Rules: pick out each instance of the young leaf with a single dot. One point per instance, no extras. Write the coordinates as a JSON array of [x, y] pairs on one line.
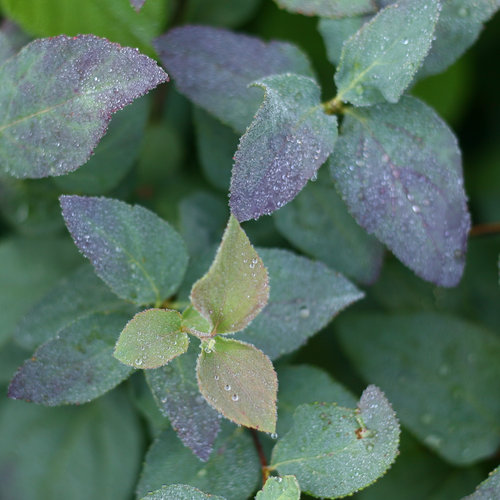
[[318, 223], [280, 488], [328, 8], [459, 360], [180, 492], [193, 322], [406, 188], [379, 61], [488, 489], [334, 451], [235, 288], [239, 381], [74, 367], [213, 67], [289, 139], [49, 126], [137, 4], [305, 296], [139, 256], [233, 470], [176, 392], [151, 339]]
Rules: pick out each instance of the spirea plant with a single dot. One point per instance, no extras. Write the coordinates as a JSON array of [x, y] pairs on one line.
[[188, 341]]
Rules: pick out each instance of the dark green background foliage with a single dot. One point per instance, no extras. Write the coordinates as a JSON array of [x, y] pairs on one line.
[[363, 136]]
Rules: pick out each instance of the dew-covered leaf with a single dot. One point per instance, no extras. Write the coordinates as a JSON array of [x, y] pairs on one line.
[[379, 61], [488, 489], [235, 288], [180, 492], [80, 453], [151, 339], [139, 256], [280, 488], [176, 392], [49, 126], [233, 470], [213, 67], [137, 4], [406, 188], [77, 295], [304, 296], [335, 451], [289, 139], [318, 223], [193, 322], [328, 8], [439, 372], [74, 367], [239, 381]]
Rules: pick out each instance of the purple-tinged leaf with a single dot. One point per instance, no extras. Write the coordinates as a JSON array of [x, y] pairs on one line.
[[329, 8], [74, 367], [289, 139], [176, 392], [398, 168], [139, 256], [213, 67], [50, 125], [137, 4]]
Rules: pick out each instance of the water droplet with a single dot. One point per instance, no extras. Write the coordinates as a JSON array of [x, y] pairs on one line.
[[234, 397], [463, 12], [227, 387], [304, 312], [416, 209], [280, 479], [216, 377], [274, 435], [405, 41], [138, 362]]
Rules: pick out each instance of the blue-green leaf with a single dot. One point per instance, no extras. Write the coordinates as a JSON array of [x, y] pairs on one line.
[[328, 8], [180, 492], [280, 488], [488, 489]]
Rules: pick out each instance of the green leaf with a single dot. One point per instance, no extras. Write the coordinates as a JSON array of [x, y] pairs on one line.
[[139, 256], [379, 61], [49, 126], [406, 188], [280, 488], [193, 322], [11, 357], [179, 492], [335, 451], [213, 67], [235, 288], [488, 489], [299, 384], [239, 381], [318, 223], [29, 267], [439, 371], [233, 470], [289, 139], [114, 156], [304, 297], [111, 19], [151, 339], [328, 8], [227, 13], [76, 366], [89, 452], [176, 392], [75, 296]]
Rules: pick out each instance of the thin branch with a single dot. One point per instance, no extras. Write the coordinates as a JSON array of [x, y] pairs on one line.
[[483, 229], [262, 456]]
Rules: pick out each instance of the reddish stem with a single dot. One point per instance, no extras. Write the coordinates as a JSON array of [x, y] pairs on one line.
[[482, 229], [262, 456]]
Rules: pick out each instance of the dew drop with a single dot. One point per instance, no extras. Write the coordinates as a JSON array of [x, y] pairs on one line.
[[304, 312], [416, 209], [227, 387], [463, 12], [138, 362], [274, 435], [234, 397], [405, 41], [216, 377]]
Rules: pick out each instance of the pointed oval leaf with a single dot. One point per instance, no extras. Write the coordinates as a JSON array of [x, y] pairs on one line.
[[379, 61], [193, 322], [74, 367], [49, 126], [280, 488], [176, 392], [213, 67], [140, 256], [151, 339], [335, 451], [180, 492], [239, 381], [235, 288], [406, 188], [328, 8], [289, 139], [488, 489], [305, 296]]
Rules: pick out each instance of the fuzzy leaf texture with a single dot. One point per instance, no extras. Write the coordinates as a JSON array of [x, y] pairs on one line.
[[488, 489], [179, 492], [334, 451], [213, 67], [328, 8], [140, 257], [235, 288], [379, 61], [239, 381], [280, 488], [289, 139], [50, 126], [406, 189]]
